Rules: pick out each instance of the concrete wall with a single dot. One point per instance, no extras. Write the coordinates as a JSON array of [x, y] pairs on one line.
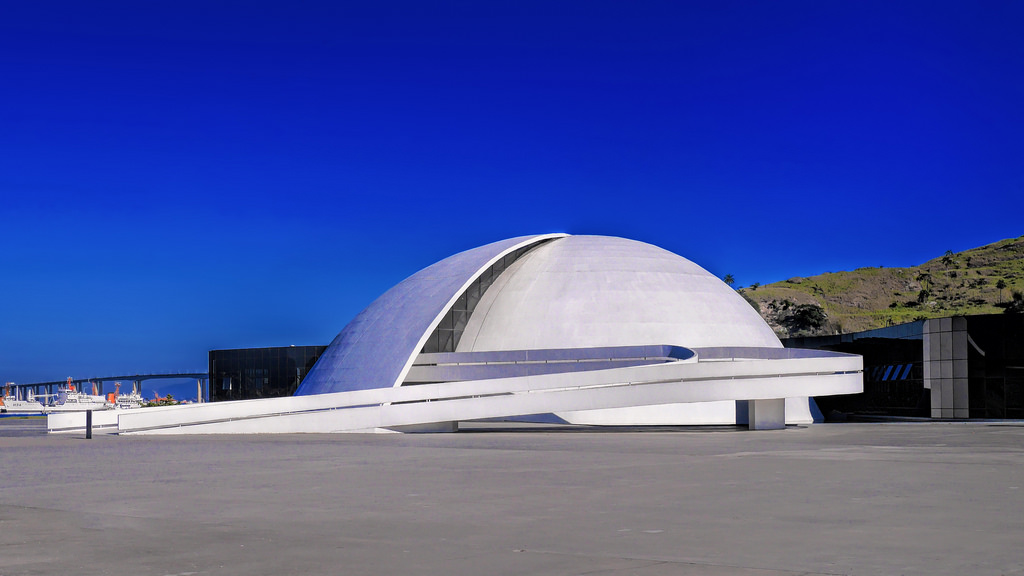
[[945, 366]]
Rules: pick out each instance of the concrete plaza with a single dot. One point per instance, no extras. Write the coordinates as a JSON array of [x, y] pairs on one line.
[[914, 498]]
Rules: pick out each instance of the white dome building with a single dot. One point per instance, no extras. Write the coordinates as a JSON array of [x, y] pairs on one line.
[[577, 329], [588, 294]]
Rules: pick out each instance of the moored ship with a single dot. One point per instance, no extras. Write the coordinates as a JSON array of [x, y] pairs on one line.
[[11, 404], [71, 399], [125, 401]]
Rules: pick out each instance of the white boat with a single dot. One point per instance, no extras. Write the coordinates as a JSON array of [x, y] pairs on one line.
[[126, 401], [129, 401], [75, 401], [71, 400], [11, 404]]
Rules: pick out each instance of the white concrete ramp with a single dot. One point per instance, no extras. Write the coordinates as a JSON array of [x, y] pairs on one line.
[[765, 381]]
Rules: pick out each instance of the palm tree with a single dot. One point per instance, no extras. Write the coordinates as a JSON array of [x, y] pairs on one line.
[[729, 279], [947, 262], [1001, 285]]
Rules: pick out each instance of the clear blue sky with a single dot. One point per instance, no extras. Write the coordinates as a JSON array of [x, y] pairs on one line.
[[182, 176]]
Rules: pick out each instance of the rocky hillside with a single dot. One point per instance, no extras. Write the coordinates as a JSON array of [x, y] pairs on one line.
[[984, 280]]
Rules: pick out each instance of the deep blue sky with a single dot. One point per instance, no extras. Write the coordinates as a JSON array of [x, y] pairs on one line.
[[182, 176]]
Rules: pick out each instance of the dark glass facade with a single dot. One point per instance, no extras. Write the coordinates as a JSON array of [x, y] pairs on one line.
[[958, 367], [260, 372], [893, 371], [995, 365]]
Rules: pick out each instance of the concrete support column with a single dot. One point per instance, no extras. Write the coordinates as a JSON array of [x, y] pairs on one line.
[[766, 414], [945, 366]]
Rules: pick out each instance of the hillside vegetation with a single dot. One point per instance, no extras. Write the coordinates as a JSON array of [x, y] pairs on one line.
[[984, 280]]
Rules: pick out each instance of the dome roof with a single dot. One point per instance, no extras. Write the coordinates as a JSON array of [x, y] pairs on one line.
[[538, 292], [595, 291], [376, 348]]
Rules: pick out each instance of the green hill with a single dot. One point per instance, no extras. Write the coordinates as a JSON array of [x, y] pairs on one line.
[[956, 283]]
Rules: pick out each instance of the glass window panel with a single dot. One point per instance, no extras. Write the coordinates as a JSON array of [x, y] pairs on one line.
[[446, 341], [449, 331], [1014, 390], [461, 317], [431, 345]]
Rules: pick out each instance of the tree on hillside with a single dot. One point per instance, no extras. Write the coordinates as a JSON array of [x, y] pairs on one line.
[[948, 262], [1001, 285], [729, 279], [805, 319], [924, 278], [1016, 306]]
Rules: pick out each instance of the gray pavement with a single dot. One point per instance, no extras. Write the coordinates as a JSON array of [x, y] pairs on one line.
[[921, 498]]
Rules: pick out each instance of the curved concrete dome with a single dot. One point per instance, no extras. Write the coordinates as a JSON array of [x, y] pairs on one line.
[[596, 291], [377, 347], [537, 292]]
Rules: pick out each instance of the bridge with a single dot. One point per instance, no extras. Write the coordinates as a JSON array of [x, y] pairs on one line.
[[37, 388]]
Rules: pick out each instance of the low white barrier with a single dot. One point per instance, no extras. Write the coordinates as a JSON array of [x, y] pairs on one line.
[[103, 421]]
